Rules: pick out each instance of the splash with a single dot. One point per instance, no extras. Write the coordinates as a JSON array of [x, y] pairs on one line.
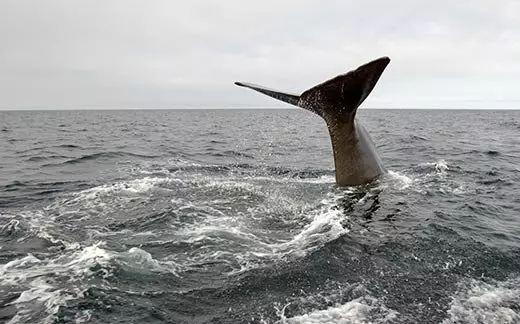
[[426, 178]]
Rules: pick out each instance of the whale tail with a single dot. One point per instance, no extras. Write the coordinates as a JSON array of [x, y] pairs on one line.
[[337, 101], [337, 97]]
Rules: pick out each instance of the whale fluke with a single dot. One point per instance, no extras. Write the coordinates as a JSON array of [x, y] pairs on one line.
[[343, 94], [337, 101]]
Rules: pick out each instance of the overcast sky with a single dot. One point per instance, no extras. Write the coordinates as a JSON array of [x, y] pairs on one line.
[[182, 54]]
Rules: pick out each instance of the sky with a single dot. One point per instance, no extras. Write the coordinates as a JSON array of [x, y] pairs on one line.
[[71, 54]]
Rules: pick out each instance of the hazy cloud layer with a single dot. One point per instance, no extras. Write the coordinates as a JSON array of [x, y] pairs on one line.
[[173, 54]]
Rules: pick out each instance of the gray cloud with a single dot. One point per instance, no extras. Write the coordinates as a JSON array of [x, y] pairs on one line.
[[172, 54]]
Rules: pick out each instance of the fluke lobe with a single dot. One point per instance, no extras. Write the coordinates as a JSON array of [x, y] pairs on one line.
[[337, 101]]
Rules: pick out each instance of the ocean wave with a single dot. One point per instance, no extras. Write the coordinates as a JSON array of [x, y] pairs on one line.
[[15, 185], [204, 232], [231, 153], [39, 184], [46, 149], [33, 229], [486, 302], [422, 177], [176, 165], [137, 260], [417, 138], [22, 193], [151, 221], [135, 186], [11, 229], [48, 284], [325, 226], [69, 146], [107, 156], [46, 158], [250, 246], [103, 195]]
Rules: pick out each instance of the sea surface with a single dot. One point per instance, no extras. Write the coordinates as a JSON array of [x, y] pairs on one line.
[[233, 216]]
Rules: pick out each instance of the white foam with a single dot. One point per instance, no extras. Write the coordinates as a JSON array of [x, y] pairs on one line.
[[82, 261], [110, 197], [24, 262], [322, 179], [441, 166], [252, 247], [40, 281], [142, 261], [480, 302], [436, 179], [135, 186], [360, 310], [399, 180], [36, 223], [83, 316], [325, 226], [12, 226], [231, 185], [43, 295], [289, 179]]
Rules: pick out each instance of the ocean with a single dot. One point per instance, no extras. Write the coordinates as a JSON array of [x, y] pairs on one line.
[[233, 216]]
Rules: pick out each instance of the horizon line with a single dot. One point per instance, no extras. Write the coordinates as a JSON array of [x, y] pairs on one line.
[[233, 108]]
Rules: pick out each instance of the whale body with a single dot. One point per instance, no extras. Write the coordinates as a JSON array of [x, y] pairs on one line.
[[336, 101]]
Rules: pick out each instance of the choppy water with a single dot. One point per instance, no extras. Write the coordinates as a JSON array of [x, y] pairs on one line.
[[227, 216]]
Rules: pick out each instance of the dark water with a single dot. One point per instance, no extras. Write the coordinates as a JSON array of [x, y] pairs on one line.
[[225, 216]]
